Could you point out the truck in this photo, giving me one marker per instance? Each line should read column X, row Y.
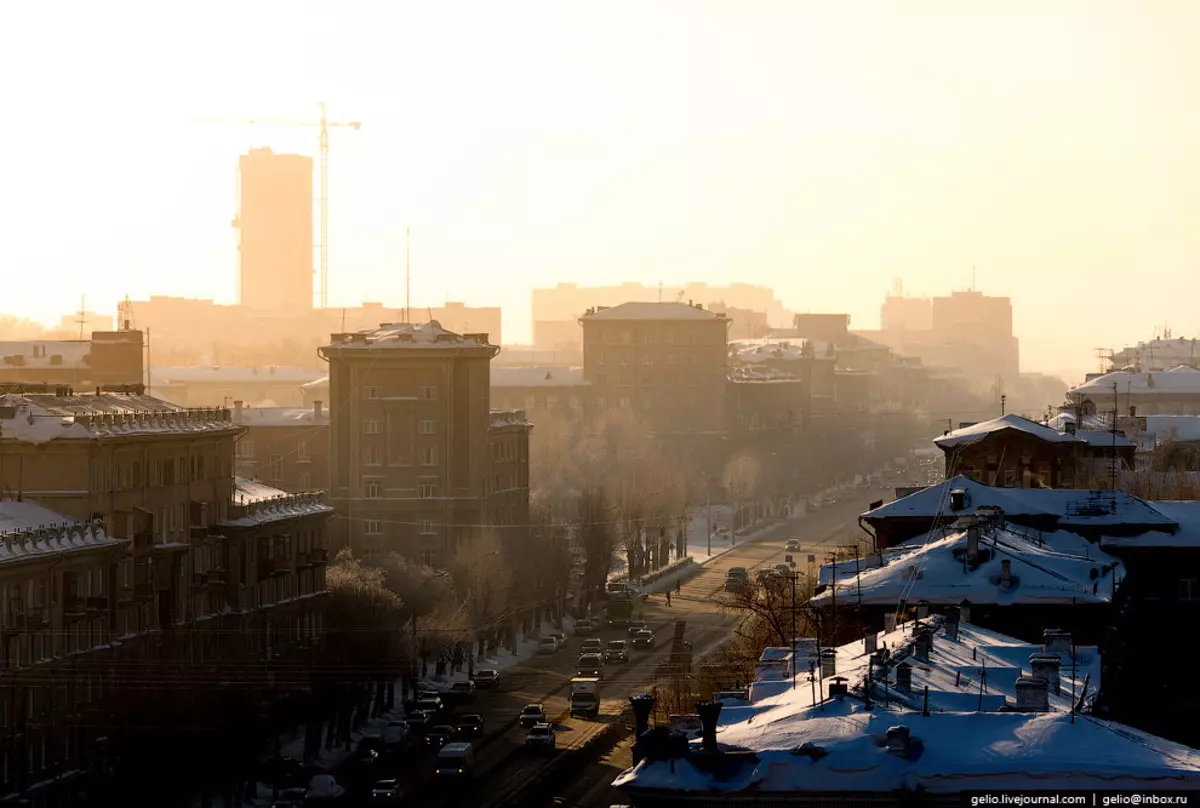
column 585, row 696
column 623, row 608
column 456, row 761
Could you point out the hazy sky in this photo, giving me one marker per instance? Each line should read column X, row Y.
column 821, row 148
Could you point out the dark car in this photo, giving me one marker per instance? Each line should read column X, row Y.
column 291, row 798
column 487, row 678
column 635, row 626
column 643, row 639
column 439, row 736
column 470, row 724
column 386, row 792
column 531, row 715
column 419, row 722
column 461, row 691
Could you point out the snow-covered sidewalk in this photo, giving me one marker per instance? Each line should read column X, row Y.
column 502, row 659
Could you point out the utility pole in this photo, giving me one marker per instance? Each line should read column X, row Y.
column 407, row 279
column 1116, row 409
column 793, row 576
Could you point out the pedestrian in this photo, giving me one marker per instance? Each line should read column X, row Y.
column 668, row 597
column 678, row 585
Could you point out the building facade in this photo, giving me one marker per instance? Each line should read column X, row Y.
column 109, row 360
column 222, row 385
column 275, row 230
column 286, row 447
column 410, row 436
column 542, row 392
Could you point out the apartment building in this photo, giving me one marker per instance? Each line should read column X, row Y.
column 664, row 362
column 221, row 385
column 108, row 360
column 543, row 392
column 409, row 451
column 508, row 469
column 287, row 447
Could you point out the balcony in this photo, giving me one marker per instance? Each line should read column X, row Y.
column 74, row 609
column 214, row 579
column 199, row 579
column 303, row 561
column 124, row 594
column 198, row 533
column 97, row 604
column 37, row 617
column 318, row 557
column 281, row 566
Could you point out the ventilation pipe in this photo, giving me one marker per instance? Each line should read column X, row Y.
column 317, row 409
column 642, row 705
column 709, row 712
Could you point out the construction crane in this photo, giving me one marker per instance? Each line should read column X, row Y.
column 323, row 124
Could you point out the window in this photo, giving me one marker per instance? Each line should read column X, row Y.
column 648, row 359
column 305, row 481
column 551, row 402
column 428, row 455
column 670, row 359
column 427, row 556
column 373, row 527
column 428, row 392
column 302, row 450
column 427, row 527
column 1189, row 589
column 371, row 489
column 245, row 448
column 624, row 403
column 427, row 427
column 372, row 427
column 276, row 468
column 601, row 379
column 372, row 455
column 371, row 394
column 427, row 489
column 599, row 357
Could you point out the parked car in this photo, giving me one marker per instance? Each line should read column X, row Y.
column 470, row 724
column 589, row 665
column 433, row 704
column 592, row 645
column 419, row 722
column 585, row 627
column 793, row 544
column 531, row 715
column 462, row 691
column 635, row 626
column 547, row 646
column 617, row 651
column 439, row 736
column 291, row 798
column 324, row 787
column 487, row 678
column 387, row 792
column 395, row 733
column 559, row 637
column 541, row 736
column 643, row 639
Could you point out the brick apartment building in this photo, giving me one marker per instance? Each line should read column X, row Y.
column 122, row 521
column 664, row 362
column 411, row 426
column 286, row 447
column 221, row 385
column 542, row 392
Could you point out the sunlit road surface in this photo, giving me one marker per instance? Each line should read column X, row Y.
column 505, row 770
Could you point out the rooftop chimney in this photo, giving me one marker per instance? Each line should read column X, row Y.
column 709, row 712
column 923, row 646
column 1056, row 641
column 922, row 609
column 838, row 689
column 973, row 540
column 953, row 616
column 1006, row 573
column 1046, row 666
column 643, row 705
column 889, row 622
column 1070, row 427
column 964, row 610
column 904, row 677
column 828, row 662
column 958, row 499
column 1032, row 694
column 317, row 409
column 237, row 410
column 898, row 740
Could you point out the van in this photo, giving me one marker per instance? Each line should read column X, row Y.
column 456, row 761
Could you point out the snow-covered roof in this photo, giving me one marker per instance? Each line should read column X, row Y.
column 753, row 351
column 536, row 376
column 1179, row 428
column 42, row 353
column 1178, row 380
column 28, row 530
column 760, row 375
column 498, row 419
column 317, row 384
column 280, row 416
column 635, row 310
column 255, row 503
column 977, row 432
column 963, row 747
column 233, row 374
column 410, row 335
column 41, row 417
column 1056, row 569
column 1072, row 507
column 1185, row 533
column 1101, row 439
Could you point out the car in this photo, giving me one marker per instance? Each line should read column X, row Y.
column 439, row 736
column 385, row 792
column 470, row 724
column 734, row 584
column 559, row 637
column 793, row 544
column 324, row 787
column 643, row 639
column 592, row 645
column 291, row 798
column 395, row 733
column 547, row 646
column 740, row 572
column 585, row 627
column 589, row 665
column 617, row 651
column 783, row 569
column 487, row 678
column 433, row 704
column 419, row 722
column 531, row 715
column 541, row 736
column 635, row 626
column 462, row 691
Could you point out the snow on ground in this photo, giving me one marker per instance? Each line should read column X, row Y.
column 502, row 659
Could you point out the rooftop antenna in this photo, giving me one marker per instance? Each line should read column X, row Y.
column 660, row 291
column 82, row 316
column 407, row 278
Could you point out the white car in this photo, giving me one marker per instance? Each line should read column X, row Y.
column 541, row 736
column 547, row 646
column 395, row 733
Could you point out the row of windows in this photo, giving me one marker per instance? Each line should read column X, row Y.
column 372, row 426
column 373, row 488
column 665, row 402
column 669, row 379
column 647, row 359
column 373, row 455
column 374, row 527
column 427, row 392
column 654, row 335
column 245, row 450
column 166, row 471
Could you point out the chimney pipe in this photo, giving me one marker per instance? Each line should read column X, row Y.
column 642, row 705
column 964, row 610
column 1046, row 666
column 1032, row 694
column 709, row 712
column 1005, row 573
column 904, row 677
column 237, row 410
column 317, row 409
column 898, row 739
column 1056, row 641
column 922, row 609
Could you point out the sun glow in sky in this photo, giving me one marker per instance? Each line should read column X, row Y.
column 823, row 149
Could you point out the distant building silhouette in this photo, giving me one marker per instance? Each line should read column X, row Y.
column 275, row 224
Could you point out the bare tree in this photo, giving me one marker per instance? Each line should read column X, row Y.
column 597, row 538
column 769, row 608
column 423, row 592
column 483, row 583
column 742, row 477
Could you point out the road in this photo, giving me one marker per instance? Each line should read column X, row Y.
column 507, row 775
